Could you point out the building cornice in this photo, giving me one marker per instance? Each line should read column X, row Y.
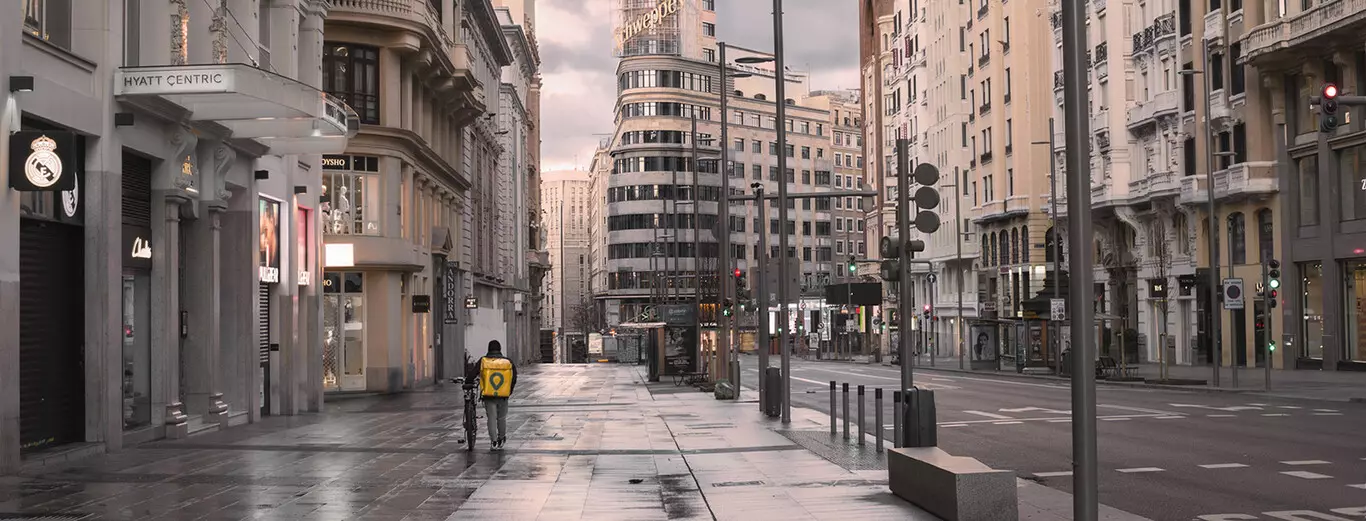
column 491, row 30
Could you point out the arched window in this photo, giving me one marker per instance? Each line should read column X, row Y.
column 1266, row 239
column 1024, row 244
column 991, row 253
column 1014, row 245
column 760, row 96
column 739, row 93
column 1237, row 238
column 1180, row 233
column 1005, row 248
column 984, row 254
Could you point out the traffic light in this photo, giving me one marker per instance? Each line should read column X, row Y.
column 890, row 248
column 926, row 198
column 1271, row 346
column 1260, row 323
column 726, row 308
column 853, row 267
column 1328, row 108
column 1273, row 282
column 927, row 311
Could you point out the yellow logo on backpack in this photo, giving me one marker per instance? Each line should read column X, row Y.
column 495, row 377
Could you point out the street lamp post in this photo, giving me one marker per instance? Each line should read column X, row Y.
column 1053, row 231
column 780, row 90
column 725, row 289
column 1214, row 333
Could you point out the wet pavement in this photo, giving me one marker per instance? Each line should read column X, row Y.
column 586, row 442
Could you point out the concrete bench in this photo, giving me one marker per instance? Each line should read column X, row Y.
column 952, row 487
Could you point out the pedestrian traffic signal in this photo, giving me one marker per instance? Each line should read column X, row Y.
column 1273, row 282
column 852, row 266
column 1271, row 346
column 738, row 273
column 927, row 311
column 890, row 249
column 1328, row 108
column 726, row 308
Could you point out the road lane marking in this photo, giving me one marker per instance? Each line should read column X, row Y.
column 990, row 415
column 1327, row 414
column 1052, row 474
column 892, row 378
column 1305, row 462
column 1140, row 469
column 952, row 425
column 1116, row 419
column 1306, row 475
column 1325, row 410
column 1234, row 408
column 1223, row 466
column 1049, row 419
column 1290, row 407
column 1064, row 420
column 1275, row 414
column 1138, row 409
column 1221, row 415
column 1170, row 417
column 1007, row 423
column 1361, row 486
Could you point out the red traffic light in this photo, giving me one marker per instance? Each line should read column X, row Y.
column 1273, row 293
column 737, row 273
column 1330, row 91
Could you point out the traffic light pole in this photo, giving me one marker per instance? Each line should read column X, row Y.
column 903, row 226
column 724, row 284
column 1269, row 338
column 763, row 258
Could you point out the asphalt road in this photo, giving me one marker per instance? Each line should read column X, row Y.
column 1165, row 455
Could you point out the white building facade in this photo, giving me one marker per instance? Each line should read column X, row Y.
column 567, row 200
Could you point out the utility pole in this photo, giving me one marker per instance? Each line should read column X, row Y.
column 1053, row 230
column 905, row 311
column 1081, row 235
column 724, row 281
column 780, row 90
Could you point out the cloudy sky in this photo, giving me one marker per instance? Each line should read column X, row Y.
column 577, row 64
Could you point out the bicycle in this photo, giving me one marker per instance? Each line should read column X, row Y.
column 471, row 394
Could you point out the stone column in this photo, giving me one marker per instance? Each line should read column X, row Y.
column 166, row 313
column 311, row 47
column 10, row 460
column 201, row 39
column 237, row 269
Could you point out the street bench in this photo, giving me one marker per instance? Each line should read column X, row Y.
column 952, row 487
column 1107, row 368
column 681, row 379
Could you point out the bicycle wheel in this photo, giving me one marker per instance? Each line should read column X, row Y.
column 471, row 428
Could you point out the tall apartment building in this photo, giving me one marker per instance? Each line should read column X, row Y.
column 1290, row 51
column 160, row 273
column 567, row 202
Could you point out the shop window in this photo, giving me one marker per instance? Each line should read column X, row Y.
column 1356, row 319
column 351, row 202
column 1352, row 165
column 351, row 72
column 1312, row 304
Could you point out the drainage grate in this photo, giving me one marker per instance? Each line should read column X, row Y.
column 845, row 453
column 43, row 516
column 738, row 484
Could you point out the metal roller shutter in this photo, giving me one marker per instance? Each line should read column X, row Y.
column 51, row 334
column 137, row 190
column 263, row 343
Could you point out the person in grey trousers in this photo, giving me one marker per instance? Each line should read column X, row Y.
column 492, row 368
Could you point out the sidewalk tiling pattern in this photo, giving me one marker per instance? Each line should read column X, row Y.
column 586, row 442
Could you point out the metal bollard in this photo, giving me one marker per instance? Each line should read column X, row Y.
column 877, row 415
column 896, row 419
column 846, row 409
column 832, row 409
column 860, row 415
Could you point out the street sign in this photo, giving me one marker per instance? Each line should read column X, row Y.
column 932, row 278
column 1233, row 293
column 1057, row 309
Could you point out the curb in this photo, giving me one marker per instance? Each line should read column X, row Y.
column 1017, row 376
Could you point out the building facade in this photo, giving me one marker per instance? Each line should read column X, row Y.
column 1290, row 52
column 567, row 201
column 161, row 259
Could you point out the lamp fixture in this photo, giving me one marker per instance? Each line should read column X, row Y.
column 21, row 83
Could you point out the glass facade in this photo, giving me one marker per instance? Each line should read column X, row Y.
column 137, row 356
column 1311, row 302
column 1355, row 316
column 343, row 331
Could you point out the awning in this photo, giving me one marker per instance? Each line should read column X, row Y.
column 287, row 116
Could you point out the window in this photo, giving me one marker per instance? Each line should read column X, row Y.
column 709, row 55
column 806, row 152
column 1266, row 240
column 739, row 144
column 772, row 148
column 963, row 86
column 49, row 20
column 1309, row 190
column 1184, row 15
column 1240, row 143
column 709, row 5
column 1010, row 182
column 709, row 29
column 1237, row 238
column 756, row 147
column 351, row 73
column 1187, row 88
column 1216, row 65
column 1352, row 168
column 1237, row 71
column 1024, row 244
column 758, row 172
column 806, row 180
column 354, row 206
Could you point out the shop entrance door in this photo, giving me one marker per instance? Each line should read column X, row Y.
column 51, row 334
column 343, row 332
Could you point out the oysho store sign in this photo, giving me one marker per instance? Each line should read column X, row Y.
column 648, row 20
column 175, row 80
column 269, row 264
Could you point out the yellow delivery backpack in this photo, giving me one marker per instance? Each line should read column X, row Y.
column 495, row 377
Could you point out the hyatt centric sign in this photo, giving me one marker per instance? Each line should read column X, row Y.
column 176, row 80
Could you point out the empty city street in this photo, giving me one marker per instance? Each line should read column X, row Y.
column 1163, row 454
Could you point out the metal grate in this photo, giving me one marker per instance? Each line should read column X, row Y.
column 837, row 450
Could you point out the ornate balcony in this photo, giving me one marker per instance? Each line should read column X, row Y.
column 1163, row 27
column 417, row 16
column 1155, row 185
column 1214, row 27
column 1099, row 5
column 1327, row 17
column 1147, row 112
column 1243, row 179
column 1100, row 120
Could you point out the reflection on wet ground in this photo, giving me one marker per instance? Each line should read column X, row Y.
column 587, row 442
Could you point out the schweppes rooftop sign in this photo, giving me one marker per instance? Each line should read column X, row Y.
column 648, row 20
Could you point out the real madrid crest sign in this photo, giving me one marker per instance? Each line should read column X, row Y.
column 42, row 161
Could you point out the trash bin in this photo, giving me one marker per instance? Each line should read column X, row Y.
column 773, row 392
column 919, row 416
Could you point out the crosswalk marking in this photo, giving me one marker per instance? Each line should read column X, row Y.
column 1221, row 415
column 1223, row 466
column 1139, row 469
column 1060, row 420
column 1052, row 474
column 1007, row 423
column 1327, row 414
column 1290, row 407
column 1116, row 419
column 1299, row 463
column 991, row 415
column 952, row 425
column 1306, row 475
column 1361, row 486
column 1325, row 410
column 1276, row 414
column 1170, row 417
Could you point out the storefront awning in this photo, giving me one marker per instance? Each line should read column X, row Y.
column 287, row 116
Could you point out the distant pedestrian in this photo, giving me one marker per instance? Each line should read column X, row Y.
column 497, row 378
